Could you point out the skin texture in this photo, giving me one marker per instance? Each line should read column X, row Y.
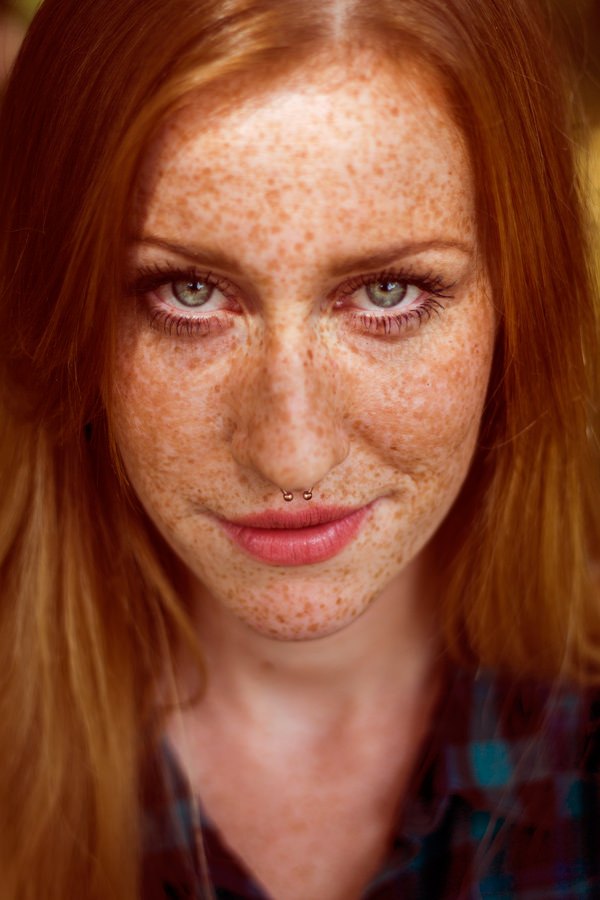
column 292, row 393
column 285, row 189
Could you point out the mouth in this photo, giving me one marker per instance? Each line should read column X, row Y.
column 296, row 538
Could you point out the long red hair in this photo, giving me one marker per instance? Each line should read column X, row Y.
column 90, row 603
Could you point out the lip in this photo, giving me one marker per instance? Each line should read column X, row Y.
column 296, row 538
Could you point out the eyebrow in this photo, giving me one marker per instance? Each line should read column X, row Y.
column 397, row 251
column 215, row 257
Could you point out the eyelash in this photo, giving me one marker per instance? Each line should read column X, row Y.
column 396, row 323
column 150, row 278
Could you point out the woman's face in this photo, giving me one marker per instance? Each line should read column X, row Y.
column 308, row 312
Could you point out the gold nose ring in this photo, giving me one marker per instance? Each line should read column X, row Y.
column 288, row 496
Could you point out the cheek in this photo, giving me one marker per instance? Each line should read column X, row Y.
column 169, row 416
column 425, row 408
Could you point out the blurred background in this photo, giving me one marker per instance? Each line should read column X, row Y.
column 578, row 26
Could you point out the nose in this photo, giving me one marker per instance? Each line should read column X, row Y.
column 289, row 423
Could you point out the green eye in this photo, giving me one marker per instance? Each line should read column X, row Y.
column 192, row 293
column 386, row 293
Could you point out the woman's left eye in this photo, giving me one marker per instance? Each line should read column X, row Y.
column 391, row 303
column 387, row 293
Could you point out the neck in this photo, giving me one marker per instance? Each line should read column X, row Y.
column 385, row 657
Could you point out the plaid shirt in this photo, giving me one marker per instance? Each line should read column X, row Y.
column 505, row 804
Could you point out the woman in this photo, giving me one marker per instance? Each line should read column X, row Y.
column 299, row 354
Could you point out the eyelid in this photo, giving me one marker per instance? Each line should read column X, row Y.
column 428, row 282
column 150, row 278
column 394, row 322
column 179, row 321
column 176, row 325
column 147, row 275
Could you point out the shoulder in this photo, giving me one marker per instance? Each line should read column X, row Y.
column 510, row 731
column 522, row 762
column 561, row 720
column 168, row 824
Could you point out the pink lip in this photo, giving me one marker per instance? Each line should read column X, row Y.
column 296, row 538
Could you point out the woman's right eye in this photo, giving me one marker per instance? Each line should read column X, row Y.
column 191, row 293
column 186, row 303
column 187, row 290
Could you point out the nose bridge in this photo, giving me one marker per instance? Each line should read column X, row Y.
column 290, row 422
column 292, row 378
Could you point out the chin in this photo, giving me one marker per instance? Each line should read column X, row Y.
column 288, row 630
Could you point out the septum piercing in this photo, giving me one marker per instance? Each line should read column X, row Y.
column 288, row 496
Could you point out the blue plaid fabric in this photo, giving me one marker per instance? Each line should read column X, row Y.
column 505, row 803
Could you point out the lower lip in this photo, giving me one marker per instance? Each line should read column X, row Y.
column 298, row 546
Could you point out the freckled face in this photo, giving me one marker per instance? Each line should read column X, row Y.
column 308, row 313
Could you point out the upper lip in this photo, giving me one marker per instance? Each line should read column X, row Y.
column 301, row 518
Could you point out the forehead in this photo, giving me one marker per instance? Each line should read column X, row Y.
column 340, row 154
